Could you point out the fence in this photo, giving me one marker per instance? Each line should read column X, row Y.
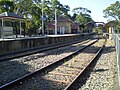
column 116, row 39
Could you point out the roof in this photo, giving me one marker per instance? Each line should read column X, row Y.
column 63, row 19
column 10, row 15
column 111, row 23
column 60, row 19
column 75, row 25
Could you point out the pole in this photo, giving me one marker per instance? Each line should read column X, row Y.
column 55, row 22
column 3, row 33
column 20, row 28
column 42, row 18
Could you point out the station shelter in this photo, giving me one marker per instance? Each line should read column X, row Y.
column 110, row 27
column 11, row 24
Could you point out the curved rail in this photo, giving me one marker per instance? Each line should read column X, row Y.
column 32, row 51
column 95, row 57
column 21, row 79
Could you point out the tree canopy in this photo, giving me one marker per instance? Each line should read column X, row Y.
column 6, row 6
column 82, row 15
column 113, row 11
column 32, row 10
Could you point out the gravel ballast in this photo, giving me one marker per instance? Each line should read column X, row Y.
column 102, row 77
column 15, row 68
column 104, row 74
column 59, row 73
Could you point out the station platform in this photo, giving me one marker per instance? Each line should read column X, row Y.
column 13, row 37
column 12, row 44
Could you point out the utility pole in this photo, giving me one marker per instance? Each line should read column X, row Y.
column 55, row 22
column 42, row 17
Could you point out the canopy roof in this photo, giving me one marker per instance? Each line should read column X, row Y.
column 10, row 15
column 111, row 23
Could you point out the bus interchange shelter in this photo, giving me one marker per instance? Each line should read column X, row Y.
column 10, row 24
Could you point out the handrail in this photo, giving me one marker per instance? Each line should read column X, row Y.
column 116, row 39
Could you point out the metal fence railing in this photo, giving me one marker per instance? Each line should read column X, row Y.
column 116, row 39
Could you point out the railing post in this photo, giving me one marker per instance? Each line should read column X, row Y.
column 116, row 40
column 119, row 60
column 118, row 56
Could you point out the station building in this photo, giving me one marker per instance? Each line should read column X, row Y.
column 10, row 24
column 64, row 26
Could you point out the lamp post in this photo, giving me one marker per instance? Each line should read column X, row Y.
column 42, row 18
column 55, row 22
column 3, row 32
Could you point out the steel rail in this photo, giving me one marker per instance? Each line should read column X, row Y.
column 25, row 77
column 94, row 58
column 33, row 51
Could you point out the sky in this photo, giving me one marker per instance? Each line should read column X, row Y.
column 96, row 7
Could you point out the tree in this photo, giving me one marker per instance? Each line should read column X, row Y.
column 83, row 18
column 32, row 10
column 81, row 15
column 113, row 11
column 66, row 9
column 61, row 9
column 22, row 7
column 81, row 10
column 6, row 6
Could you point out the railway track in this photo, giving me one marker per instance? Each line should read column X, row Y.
column 15, row 68
column 57, row 71
column 90, row 64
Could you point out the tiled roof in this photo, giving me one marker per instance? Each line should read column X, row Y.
column 60, row 19
column 10, row 14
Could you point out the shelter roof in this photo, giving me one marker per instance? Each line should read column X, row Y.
column 111, row 23
column 10, row 15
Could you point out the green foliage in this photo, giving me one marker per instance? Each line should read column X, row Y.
column 113, row 11
column 32, row 10
column 81, row 10
column 97, row 30
column 61, row 9
column 6, row 6
column 81, row 15
column 23, row 7
column 83, row 18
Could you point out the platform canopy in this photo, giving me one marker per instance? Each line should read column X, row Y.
column 111, row 23
column 11, row 17
column 110, row 26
